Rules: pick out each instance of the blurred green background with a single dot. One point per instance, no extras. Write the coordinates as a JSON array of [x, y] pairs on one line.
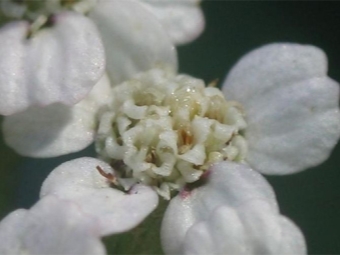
[[233, 28]]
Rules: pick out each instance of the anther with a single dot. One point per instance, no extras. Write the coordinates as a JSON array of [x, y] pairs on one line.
[[108, 176]]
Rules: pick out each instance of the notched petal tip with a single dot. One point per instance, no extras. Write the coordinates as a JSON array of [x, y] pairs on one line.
[[29, 231], [271, 66], [116, 211], [229, 184], [253, 228], [291, 106], [56, 64], [299, 130]]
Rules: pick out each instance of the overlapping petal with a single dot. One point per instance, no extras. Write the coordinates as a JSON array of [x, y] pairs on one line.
[[228, 184], [292, 107], [56, 64], [134, 40], [252, 228], [183, 20], [80, 182], [52, 226], [56, 129]]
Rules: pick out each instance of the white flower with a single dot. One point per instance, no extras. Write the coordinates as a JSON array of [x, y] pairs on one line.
[[169, 134], [52, 226], [56, 55], [290, 106], [234, 212]]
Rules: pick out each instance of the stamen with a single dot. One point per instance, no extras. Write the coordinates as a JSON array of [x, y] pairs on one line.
[[185, 138], [108, 176], [213, 83]]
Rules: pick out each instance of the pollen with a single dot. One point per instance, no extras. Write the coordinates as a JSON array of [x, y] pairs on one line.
[[166, 130]]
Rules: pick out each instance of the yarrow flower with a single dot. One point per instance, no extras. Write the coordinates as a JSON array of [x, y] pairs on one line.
[[166, 133], [58, 50]]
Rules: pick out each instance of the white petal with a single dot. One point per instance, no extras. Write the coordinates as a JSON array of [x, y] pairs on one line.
[[298, 130], [51, 226], [134, 40], [183, 20], [9, 228], [79, 181], [253, 228], [56, 129], [270, 67], [291, 107], [57, 64], [227, 184]]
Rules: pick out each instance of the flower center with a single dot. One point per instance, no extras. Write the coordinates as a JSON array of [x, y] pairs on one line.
[[166, 131]]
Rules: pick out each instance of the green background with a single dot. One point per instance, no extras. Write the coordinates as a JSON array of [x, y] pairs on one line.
[[233, 28]]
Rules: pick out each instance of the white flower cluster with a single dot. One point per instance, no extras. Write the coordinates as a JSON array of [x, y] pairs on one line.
[[165, 131], [74, 72]]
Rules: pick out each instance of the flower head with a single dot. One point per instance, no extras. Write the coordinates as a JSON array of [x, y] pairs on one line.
[[162, 131], [165, 131], [278, 98]]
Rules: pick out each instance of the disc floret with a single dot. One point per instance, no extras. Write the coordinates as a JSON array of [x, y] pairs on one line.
[[165, 130]]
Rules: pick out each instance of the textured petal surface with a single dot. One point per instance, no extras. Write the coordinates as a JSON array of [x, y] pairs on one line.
[[57, 64], [79, 181], [253, 228], [52, 226], [56, 129], [183, 20], [292, 107], [9, 232], [228, 184], [134, 40]]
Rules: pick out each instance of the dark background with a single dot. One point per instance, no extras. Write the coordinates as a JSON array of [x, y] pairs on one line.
[[233, 28]]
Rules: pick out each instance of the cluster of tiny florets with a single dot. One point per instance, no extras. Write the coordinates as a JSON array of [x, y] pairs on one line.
[[166, 131]]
